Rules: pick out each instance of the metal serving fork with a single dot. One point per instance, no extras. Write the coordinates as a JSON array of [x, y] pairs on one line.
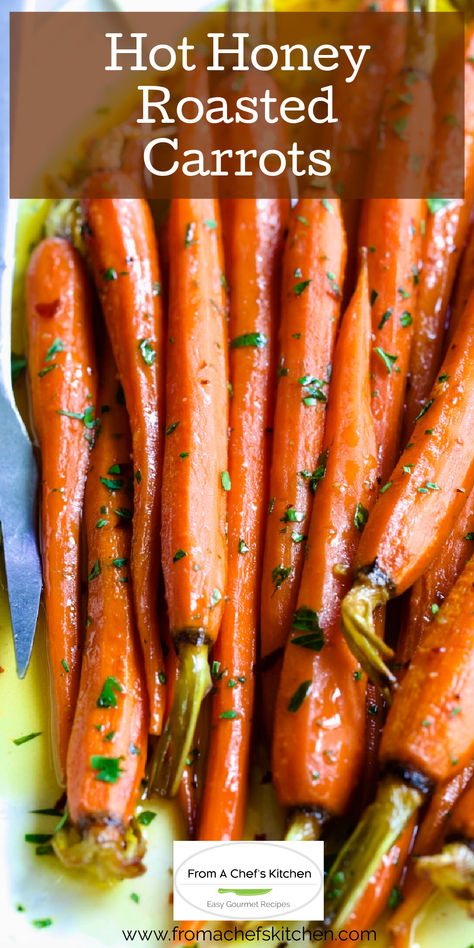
[[18, 472]]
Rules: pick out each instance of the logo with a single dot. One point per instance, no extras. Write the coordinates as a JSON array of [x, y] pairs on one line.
[[241, 881]]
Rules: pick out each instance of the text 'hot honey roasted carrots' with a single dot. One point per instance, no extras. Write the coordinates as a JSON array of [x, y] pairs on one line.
[[63, 383]]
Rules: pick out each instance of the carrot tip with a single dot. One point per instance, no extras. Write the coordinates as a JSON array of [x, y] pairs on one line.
[[358, 629], [305, 823], [107, 850], [452, 871], [379, 828], [172, 749]]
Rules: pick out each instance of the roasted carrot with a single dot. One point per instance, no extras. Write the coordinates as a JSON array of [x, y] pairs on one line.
[[429, 591], [446, 223], [313, 270], [123, 252], [108, 745], [320, 712], [419, 504], [358, 112], [195, 476], [452, 869], [382, 889], [427, 738], [464, 284], [432, 830], [63, 385], [255, 230]]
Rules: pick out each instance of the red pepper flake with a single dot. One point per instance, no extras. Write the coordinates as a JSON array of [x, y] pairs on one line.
[[48, 309]]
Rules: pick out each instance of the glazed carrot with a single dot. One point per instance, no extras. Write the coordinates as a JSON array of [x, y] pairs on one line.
[[415, 889], [433, 586], [63, 384], [319, 726], [427, 738], [464, 284], [195, 476], [419, 504], [254, 230], [313, 270], [382, 888], [108, 745], [446, 224], [391, 228], [452, 869], [358, 112], [122, 248]]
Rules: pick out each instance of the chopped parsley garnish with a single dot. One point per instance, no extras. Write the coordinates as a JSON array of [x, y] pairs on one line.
[[225, 480], [27, 737], [65, 665], [147, 351], [385, 487], [108, 768], [385, 317], [215, 598], [306, 620], [210, 224], [360, 517], [373, 297], [256, 339], [56, 346], [17, 363], [302, 220], [399, 127], [437, 204], [162, 677], [387, 359], [299, 287], [279, 574], [172, 427], [189, 238], [123, 512], [112, 483], [156, 289], [394, 898], [229, 715], [406, 319], [95, 571], [109, 275], [332, 281], [424, 409], [108, 695], [298, 697], [178, 555], [120, 561], [292, 516], [243, 548], [146, 817]]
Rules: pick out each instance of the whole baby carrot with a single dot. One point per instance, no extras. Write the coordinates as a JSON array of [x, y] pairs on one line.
[[63, 385], [417, 507], [320, 713], [122, 248], [447, 222], [428, 838], [433, 586], [452, 869], [313, 271], [108, 745], [427, 738], [254, 238]]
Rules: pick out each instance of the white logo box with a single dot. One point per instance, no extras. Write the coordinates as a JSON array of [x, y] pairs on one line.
[[248, 881]]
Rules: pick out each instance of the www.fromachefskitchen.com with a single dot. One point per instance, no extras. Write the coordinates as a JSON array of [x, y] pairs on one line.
[[281, 933]]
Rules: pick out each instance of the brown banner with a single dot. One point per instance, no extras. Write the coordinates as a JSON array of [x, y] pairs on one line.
[[359, 105]]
